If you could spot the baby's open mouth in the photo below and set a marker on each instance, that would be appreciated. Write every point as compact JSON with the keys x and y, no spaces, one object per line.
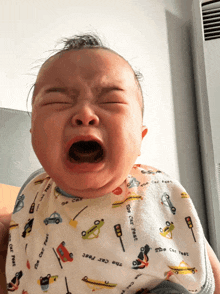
{"x":86,"y":151}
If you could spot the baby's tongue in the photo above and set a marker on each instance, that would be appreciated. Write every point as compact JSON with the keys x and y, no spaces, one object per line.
{"x":84,"y":151}
{"x":86,"y":156}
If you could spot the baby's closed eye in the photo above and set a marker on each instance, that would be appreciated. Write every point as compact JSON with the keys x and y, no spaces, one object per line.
{"x":112,"y":98}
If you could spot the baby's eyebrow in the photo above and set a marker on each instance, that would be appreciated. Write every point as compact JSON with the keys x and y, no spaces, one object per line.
{"x":103,"y":90}
{"x":56,"y":89}
{"x":65,"y":90}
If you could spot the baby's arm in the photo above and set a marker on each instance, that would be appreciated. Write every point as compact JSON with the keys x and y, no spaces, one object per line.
{"x":215,"y":267}
{"x":4,"y":229}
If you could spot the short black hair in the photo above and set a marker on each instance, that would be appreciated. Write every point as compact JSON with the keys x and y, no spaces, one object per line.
{"x":92,"y":41}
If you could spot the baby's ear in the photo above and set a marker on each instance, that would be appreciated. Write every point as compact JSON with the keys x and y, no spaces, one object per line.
{"x":144,"y":131}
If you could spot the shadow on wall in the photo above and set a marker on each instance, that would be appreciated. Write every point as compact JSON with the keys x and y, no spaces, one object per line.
{"x":184,"y":101}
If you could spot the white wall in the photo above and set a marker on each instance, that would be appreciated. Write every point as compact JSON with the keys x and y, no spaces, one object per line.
{"x":152,"y":35}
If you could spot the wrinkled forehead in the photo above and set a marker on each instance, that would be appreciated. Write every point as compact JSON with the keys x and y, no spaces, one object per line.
{"x":87,"y":63}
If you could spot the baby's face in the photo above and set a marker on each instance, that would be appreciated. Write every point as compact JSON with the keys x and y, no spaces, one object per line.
{"x":86,"y":121}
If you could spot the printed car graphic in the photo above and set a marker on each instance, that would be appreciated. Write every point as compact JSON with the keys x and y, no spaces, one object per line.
{"x":142,"y":260}
{"x":31,"y":210}
{"x":28,"y":228}
{"x":19,"y":204}
{"x":183,"y":269}
{"x":14,"y":284}
{"x":57,"y":192}
{"x":165,"y":199}
{"x":64,"y":253}
{"x":41,"y":181}
{"x":44,"y":282}
{"x":94,"y":231}
{"x":167,"y":231}
{"x":184,"y":195}
{"x":133,"y":182}
{"x":13,"y":225}
{"x":54,"y":218}
{"x":97,"y":285}
{"x":132,"y":196}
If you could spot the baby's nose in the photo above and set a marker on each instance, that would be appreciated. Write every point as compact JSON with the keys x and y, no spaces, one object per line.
{"x":85,"y":117}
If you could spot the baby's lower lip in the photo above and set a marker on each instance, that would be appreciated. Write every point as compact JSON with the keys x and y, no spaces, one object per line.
{"x":84,"y":166}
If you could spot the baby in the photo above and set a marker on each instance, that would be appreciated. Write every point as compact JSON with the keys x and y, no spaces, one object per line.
{"x":92,"y":219}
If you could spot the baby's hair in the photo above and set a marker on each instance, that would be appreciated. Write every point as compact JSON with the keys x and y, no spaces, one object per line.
{"x":91,"y":41}
{"x":82,"y":41}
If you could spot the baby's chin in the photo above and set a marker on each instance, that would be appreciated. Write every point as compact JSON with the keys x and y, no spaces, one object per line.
{"x":89,"y":186}
{"x":87,"y":180}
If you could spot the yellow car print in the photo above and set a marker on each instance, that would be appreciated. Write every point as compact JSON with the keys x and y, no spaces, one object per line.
{"x":13,"y":225}
{"x":41,"y":181}
{"x":184,"y":195}
{"x":97,"y":285}
{"x":167,"y":231}
{"x":94,"y":231}
{"x":183,"y":269}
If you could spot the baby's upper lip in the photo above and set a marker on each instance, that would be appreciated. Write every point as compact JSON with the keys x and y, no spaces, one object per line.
{"x":83,"y":138}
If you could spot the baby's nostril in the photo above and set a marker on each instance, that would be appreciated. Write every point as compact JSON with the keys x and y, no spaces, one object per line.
{"x":78,"y":122}
{"x":92,"y":122}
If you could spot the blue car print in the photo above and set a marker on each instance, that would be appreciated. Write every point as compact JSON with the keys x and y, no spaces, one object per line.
{"x":54,"y":218}
{"x":133,"y":183}
{"x":19,"y":203}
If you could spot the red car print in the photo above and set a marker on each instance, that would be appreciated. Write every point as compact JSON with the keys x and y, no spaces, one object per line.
{"x":64,"y":253}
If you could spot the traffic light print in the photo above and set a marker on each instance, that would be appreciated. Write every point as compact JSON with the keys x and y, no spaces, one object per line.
{"x":190,"y":225}
{"x":118,"y":233}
